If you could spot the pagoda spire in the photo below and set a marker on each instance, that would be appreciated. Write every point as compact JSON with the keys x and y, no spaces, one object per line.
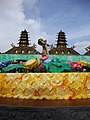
{"x":24,"y":39}
{"x":61,"y":40}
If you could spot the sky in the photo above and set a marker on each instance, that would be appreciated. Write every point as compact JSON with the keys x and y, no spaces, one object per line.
{"x":44,"y":19}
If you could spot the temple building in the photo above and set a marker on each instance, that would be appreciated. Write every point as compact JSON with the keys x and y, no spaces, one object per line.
{"x":23,"y":47}
{"x":61,"y":46}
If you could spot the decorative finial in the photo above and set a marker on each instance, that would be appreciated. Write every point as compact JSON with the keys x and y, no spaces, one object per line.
{"x":12,"y":45}
{"x":74,"y":46}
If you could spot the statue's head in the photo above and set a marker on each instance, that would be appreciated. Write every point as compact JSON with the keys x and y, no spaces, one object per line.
{"x":42,"y":42}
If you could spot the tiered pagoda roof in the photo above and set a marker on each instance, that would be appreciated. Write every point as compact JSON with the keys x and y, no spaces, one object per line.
{"x":24,"y":47}
{"x":61,"y":40}
{"x":61,"y":46}
{"x":24,"y":39}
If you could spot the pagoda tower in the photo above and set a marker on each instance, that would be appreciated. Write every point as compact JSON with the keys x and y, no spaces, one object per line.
{"x":23,"y":47}
{"x":61,"y":46}
{"x":61,"y":42}
{"x":24,"y":39}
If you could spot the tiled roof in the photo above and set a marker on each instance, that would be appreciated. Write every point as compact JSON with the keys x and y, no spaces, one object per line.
{"x":87,"y":53}
{"x":65,"y":50}
{"x":20,"y":49}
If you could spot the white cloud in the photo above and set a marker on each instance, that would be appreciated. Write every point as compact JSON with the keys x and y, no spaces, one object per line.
{"x":36,"y":31}
{"x":79,"y":31}
{"x":30,"y":3}
{"x":13,"y":21}
{"x":81,"y":45}
{"x":80,"y":37}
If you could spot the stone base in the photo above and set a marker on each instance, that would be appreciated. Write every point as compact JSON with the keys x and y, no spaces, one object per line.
{"x":15,"y":109}
{"x":44,"y":113}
